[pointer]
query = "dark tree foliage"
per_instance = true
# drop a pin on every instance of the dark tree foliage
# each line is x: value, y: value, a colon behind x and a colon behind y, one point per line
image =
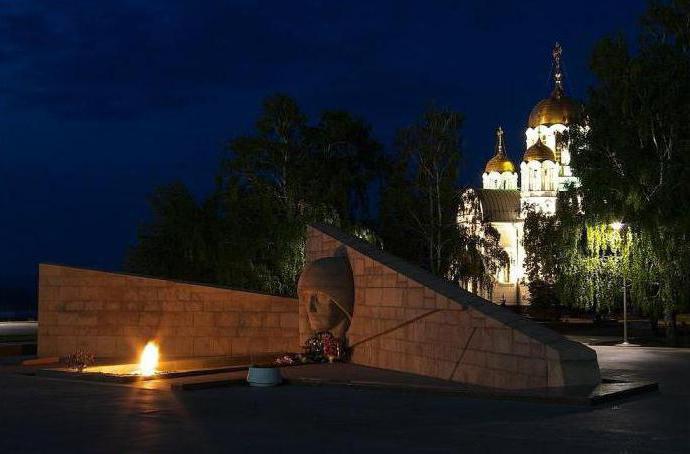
x: 177, y: 242
x: 330, y: 164
x: 634, y: 156
x: 478, y: 254
x: 420, y: 202
x: 344, y: 147
x: 250, y: 233
x: 542, y: 250
x: 272, y: 161
x: 574, y: 259
x: 420, y: 205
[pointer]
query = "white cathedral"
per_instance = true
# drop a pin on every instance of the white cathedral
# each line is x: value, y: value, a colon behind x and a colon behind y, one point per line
x: 544, y: 170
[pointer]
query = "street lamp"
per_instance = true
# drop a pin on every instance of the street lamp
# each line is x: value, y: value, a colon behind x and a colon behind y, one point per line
x: 617, y: 226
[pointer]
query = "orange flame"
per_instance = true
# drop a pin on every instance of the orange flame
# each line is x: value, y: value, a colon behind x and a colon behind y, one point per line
x: 149, y: 359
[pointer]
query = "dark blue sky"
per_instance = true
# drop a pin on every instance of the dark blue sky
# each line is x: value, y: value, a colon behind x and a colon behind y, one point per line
x: 101, y: 101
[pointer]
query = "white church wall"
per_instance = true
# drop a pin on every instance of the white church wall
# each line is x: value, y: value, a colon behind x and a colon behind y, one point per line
x: 495, y: 180
x: 510, y: 287
x: 511, y: 240
x: 510, y: 180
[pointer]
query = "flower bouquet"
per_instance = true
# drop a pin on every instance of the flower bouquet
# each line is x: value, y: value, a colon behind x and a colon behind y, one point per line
x: 79, y: 360
x: 322, y: 347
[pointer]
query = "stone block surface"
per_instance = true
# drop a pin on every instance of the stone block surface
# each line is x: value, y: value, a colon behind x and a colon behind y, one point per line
x: 409, y: 320
x: 114, y: 315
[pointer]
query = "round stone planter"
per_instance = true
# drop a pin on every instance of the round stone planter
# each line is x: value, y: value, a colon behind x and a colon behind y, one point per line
x: 264, y: 376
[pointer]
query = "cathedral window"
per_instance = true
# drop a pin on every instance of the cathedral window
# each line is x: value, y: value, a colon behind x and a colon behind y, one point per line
x: 534, y: 181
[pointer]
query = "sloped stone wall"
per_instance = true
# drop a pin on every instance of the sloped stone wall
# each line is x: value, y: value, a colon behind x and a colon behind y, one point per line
x: 114, y: 315
x: 409, y: 320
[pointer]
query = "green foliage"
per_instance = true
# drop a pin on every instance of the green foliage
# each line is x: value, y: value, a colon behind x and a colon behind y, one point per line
x: 541, y: 240
x: 250, y: 233
x: 581, y: 262
x: 330, y: 164
x: 419, y: 202
x: 478, y: 254
x: 177, y: 243
x: 420, y: 206
x: 574, y: 261
x: 659, y: 265
x: 272, y: 160
x: 343, y: 160
x: 259, y: 246
x: 633, y: 158
x: 591, y: 268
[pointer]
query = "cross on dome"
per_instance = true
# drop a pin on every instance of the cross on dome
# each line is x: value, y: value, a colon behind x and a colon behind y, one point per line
x: 499, y: 162
x: 557, y: 73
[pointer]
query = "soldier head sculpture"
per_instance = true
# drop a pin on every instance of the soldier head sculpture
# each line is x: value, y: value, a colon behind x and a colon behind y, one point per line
x: 326, y: 289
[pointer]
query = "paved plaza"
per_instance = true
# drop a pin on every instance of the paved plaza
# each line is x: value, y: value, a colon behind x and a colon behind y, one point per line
x: 40, y: 414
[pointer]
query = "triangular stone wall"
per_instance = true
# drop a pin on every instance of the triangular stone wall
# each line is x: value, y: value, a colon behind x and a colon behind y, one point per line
x: 409, y: 320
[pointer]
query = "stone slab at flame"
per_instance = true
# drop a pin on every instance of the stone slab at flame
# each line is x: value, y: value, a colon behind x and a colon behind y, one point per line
x: 113, y: 315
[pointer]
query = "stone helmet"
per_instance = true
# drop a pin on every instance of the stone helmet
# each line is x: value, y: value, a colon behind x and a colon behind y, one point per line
x: 326, y: 289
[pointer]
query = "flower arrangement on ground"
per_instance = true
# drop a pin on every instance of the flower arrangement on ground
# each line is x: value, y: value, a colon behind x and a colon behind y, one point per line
x: 79, y: 360
x: 320, y: 348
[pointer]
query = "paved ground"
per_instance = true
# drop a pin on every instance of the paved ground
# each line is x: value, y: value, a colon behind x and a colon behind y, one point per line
x: 38, y: 414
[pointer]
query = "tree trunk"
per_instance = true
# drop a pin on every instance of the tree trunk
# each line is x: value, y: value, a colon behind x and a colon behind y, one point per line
x: 654, y: 325
x: 431, y: 232
x: 439, y: 216
x: 671, y: 331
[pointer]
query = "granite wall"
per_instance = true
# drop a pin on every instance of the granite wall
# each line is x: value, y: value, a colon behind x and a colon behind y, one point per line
x: 409, y: 320
x: 114, y: 315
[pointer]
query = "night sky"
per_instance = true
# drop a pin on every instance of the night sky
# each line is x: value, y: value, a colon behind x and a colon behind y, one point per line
x: 101, y: 101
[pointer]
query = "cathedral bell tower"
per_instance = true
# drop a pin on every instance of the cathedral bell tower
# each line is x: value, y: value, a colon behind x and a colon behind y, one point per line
x: 545, y: 167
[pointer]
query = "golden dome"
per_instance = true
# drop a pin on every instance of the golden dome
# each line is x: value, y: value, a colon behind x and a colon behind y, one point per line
x: 499, y: 162
x: 539, y: 152
x: 558, y: 108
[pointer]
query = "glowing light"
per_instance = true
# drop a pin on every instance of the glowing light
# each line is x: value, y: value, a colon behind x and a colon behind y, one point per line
x: 149, y: 359
x: 616, y: 226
